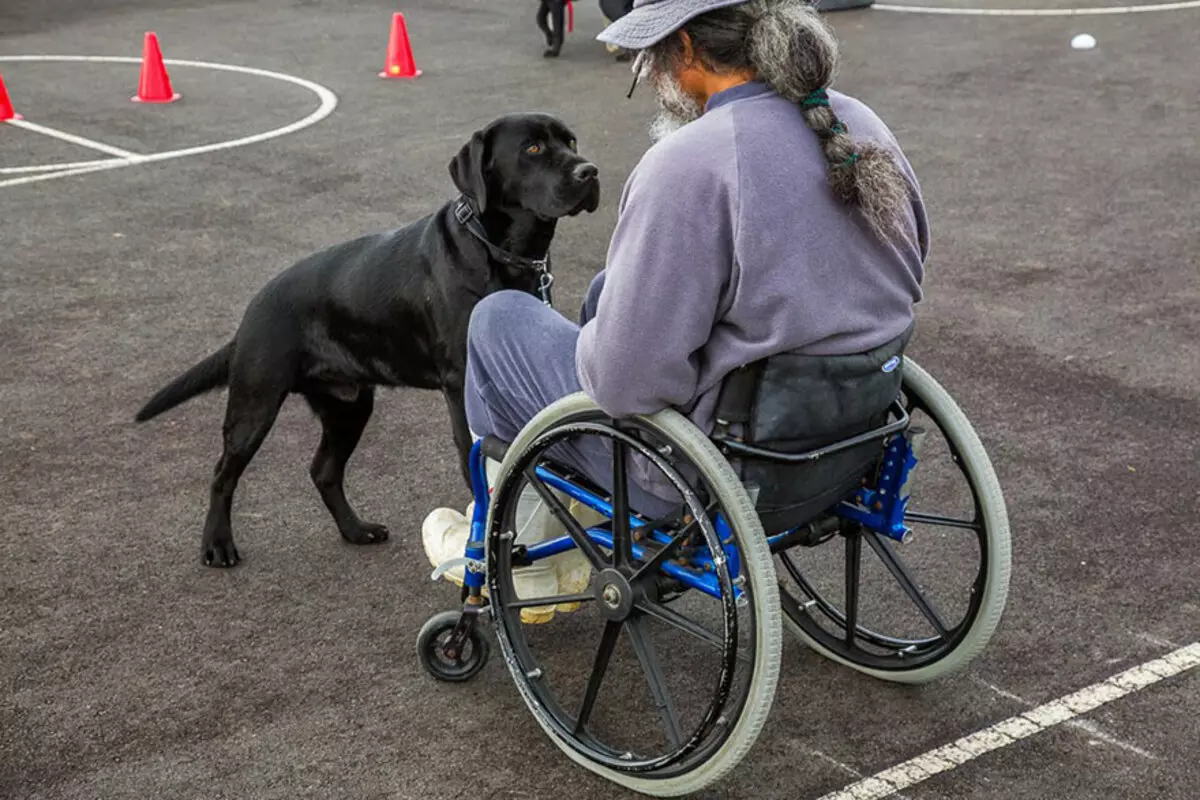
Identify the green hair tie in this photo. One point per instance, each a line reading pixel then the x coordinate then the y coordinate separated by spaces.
pixel 817 97
pixel 852 160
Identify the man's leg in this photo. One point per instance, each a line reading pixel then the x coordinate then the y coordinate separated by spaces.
pixel 521 358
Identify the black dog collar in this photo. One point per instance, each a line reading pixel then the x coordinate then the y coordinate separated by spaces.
pixel 468 217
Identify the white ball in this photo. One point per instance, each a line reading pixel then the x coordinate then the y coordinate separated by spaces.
pixel 1084 41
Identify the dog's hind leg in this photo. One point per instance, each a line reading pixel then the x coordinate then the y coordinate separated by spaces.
pixel 249 415
pixel 463 439
pixel 342 423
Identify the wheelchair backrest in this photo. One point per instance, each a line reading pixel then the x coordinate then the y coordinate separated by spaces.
pixel 792 403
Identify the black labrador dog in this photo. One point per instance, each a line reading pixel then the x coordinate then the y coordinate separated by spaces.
pixel 388 309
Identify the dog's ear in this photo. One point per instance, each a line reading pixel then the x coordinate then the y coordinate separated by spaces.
pixel 468 169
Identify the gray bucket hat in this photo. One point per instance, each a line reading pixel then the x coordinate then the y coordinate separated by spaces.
pixel 651 21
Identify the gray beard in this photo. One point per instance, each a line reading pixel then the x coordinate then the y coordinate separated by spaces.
pixel 675 107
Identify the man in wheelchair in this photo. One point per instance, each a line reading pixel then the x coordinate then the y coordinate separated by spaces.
pixel 761 279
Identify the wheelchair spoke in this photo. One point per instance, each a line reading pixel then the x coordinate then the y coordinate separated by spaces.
pixel 677 620
pixel 563 515
pixel 622 538
pixel 581 597
pixel 658 685
pixel 892 561
pixel 668 549
pixel 945 522
pixel 607 642
pixel 853 563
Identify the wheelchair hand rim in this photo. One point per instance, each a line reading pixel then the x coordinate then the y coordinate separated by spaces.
pixel 518 652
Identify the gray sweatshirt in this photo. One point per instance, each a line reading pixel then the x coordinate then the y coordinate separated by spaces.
pixel 730 247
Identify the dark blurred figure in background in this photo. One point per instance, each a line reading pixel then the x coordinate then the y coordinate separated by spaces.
pixel 613 10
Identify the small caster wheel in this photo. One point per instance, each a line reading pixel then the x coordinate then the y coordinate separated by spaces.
pixel 431 648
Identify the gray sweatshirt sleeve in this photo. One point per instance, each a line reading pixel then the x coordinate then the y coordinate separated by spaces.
pixel 669 263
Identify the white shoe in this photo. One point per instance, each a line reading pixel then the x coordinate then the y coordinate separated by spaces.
pixel 445 533
pixel 573 569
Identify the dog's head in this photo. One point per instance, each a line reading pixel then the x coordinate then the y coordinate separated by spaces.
pixel 527 162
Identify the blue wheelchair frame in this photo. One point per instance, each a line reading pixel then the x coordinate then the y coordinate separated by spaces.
pixel 879 508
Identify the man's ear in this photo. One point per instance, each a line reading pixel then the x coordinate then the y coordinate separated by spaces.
pixel 688 56
pixel 468 170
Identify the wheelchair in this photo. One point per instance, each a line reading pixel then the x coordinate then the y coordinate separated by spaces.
pixel 660 674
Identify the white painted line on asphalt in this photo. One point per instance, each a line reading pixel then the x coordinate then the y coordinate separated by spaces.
pixel 328 102
pixel 56 167
pixel 1090 728
pixel 73 139
pixel 99 166
pixel 1036 12
pixel 1013 729
pixel 843 767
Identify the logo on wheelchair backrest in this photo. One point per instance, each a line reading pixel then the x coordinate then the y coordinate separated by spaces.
pixel 891 364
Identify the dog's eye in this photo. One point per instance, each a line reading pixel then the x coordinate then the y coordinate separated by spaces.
pixel 534 149
pixel 572 144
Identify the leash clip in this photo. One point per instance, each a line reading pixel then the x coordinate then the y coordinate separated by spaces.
pixel 545 281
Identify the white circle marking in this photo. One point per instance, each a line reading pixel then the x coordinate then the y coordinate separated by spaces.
pixel 328 102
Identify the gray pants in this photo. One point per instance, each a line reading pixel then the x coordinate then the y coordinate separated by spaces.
pixel 520 359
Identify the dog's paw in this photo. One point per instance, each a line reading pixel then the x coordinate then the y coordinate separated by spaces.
pixel 220 554
pixel 366 533
pixel 552 52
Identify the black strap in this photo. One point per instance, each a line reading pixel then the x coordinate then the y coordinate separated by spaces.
pixel 468 217
pixel 735 403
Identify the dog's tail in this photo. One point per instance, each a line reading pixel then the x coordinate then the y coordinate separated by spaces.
pixel 209 374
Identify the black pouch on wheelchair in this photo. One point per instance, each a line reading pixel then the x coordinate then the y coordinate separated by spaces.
pixel 792 403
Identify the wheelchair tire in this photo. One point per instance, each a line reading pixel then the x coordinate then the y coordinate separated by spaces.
pixel 463 668
pixel 977 467
pixel 756 566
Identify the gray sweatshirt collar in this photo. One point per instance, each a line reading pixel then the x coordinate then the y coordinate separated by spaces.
pixel 739 92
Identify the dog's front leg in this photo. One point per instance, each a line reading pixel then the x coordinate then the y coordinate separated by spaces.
pixel 458 423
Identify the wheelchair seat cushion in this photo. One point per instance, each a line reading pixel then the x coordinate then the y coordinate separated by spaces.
pixel 792 403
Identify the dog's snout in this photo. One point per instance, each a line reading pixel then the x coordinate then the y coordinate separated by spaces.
pixel 585 172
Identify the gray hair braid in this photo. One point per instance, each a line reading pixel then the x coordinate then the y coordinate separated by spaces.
pixel 794 52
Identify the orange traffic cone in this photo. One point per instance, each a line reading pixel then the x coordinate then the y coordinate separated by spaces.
pixel 6 107
pixel 570 17
pixel 155 84
pixel 400 63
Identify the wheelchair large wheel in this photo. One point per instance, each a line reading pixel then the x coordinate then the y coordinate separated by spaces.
pixel 651 683
pixel 925 608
